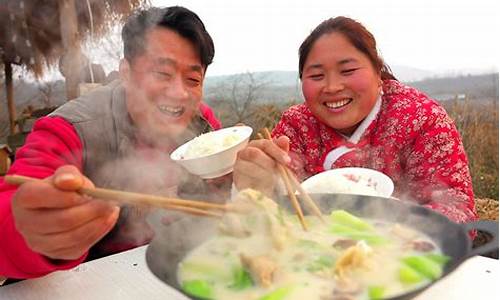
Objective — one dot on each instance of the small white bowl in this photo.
(360, 181)
(220, 159)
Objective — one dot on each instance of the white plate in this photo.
(360, 181)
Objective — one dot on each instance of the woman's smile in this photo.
(339, 105)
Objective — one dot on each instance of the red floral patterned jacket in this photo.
(407, 136)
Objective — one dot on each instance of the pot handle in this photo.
(490, 227)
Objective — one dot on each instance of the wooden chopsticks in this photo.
(308, 200)
(289, 188)
(289, 179)
(194, 207)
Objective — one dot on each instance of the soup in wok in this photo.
(262, 252)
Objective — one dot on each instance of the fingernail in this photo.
(116, 211)
(114, 215)
(287, 159)
(65, 177)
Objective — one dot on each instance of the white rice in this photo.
(344, 184)
(207, 144)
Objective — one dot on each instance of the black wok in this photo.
(171, 243)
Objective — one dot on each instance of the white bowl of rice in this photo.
(359, 181)
(212, 154)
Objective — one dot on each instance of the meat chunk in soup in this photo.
(262, 268)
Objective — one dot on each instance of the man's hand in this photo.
(58, 222)
(256, 165)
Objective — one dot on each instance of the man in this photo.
(118, 136)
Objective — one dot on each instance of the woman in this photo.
(356, 114)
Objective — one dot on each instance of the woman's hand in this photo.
(256, 165)
(58, 222)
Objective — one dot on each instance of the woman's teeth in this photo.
(338, 104)
(171, 110)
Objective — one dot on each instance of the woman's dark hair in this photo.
(179, 19)
(356, 33)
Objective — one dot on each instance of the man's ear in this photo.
(124, 70)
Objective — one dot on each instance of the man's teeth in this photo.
(338, 103)
(169, 109)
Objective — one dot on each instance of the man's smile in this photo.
(171, 111)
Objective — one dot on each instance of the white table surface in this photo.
(126, 276)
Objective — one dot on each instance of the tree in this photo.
(106, 50)
(237, 97)
(47, 90)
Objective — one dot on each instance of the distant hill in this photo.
(280, 87)
(406, 74)
(479, 87)
(284, 85)
(274, 78)
(291, 78)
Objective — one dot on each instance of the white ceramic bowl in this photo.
(218, 160)
(360, 181)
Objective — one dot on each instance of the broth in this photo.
(265, 254)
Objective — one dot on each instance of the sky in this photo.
(442, 36)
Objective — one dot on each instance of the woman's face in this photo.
(339, 83)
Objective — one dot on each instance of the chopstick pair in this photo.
(292, 184)
(199, 208)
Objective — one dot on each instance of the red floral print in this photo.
(411, 139)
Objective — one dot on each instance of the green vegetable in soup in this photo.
(241, 279)
(342, 229)
(371, 239)
(199, 288)
(407, 275)
(438, 258)
(346, 219)
(278, 294)
(206, 269)
(424, 266)
(349, 232)
(320, 263)
(376, 292)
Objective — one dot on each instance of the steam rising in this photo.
(146, 170)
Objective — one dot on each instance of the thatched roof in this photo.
(30, 29)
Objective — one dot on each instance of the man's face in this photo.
(163, 85)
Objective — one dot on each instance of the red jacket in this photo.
(407, 136)
(52, 144)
